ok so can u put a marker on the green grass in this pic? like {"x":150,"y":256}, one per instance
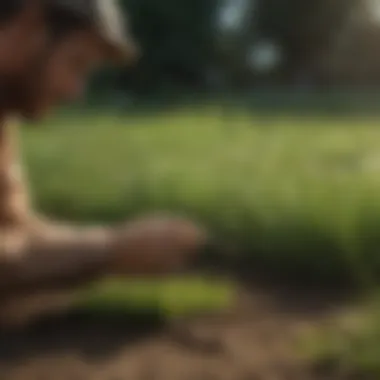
{"x":299,"y":197}
{"x":348,"y":344}
{"x":173,"y":298}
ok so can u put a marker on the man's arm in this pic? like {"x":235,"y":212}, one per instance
{"x":33,"y":250}
{"x":14,"y":196}
{"x":57,"y":255}
{"x":41,"y":253}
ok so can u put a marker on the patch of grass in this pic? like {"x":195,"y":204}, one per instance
{"x":173,"y":297}
{"x":299,"y":197}
{"x":348,"y":345}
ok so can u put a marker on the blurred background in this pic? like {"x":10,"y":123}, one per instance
{"x":260,"y":119}
{"x":246,"y":48}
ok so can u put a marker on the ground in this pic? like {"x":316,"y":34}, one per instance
{"x":257,"y":338}
{"x":296,"y":197}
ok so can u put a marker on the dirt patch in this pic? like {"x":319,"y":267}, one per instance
{"x":253,"y":341}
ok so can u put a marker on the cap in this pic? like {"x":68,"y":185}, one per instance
{"x":112,"y":24}
{"x":109,"y":21}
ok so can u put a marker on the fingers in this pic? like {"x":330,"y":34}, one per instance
{"x":158,"y":245}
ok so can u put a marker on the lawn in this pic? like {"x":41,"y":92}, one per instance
{"x":295,"y":197}
{"x":299,"y":197}
{"x":348,"y":346}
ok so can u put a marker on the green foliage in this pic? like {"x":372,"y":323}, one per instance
{"x":176,"y":42}
{"x":181,"y":46}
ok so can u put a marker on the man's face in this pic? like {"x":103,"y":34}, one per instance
{"x":62,"y":75}
{"x":22,"y":39}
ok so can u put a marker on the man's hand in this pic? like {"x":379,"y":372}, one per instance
{"x":60,"y":259}
{"x":156,"y":245}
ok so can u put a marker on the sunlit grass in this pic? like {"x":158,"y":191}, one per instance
{"x":347,"y":344}
{"x":299,"y":195}
{"x":172,"y":297}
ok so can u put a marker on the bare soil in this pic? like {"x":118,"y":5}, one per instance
{"x":255,"y":340}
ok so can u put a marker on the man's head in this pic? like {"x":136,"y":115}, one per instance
{"x":22,"y":34}
{"x":84,"y":34}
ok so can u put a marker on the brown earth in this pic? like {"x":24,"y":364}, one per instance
{"x":252,"y":341}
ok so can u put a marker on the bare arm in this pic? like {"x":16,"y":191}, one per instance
{"x":14,"y":196}
{"x":56,"y":256}
{"x":36,"y":253}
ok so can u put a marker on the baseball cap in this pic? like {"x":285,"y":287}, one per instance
{"x":109,"y":21}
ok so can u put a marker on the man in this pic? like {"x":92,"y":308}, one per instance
{"x":42,"y":263}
